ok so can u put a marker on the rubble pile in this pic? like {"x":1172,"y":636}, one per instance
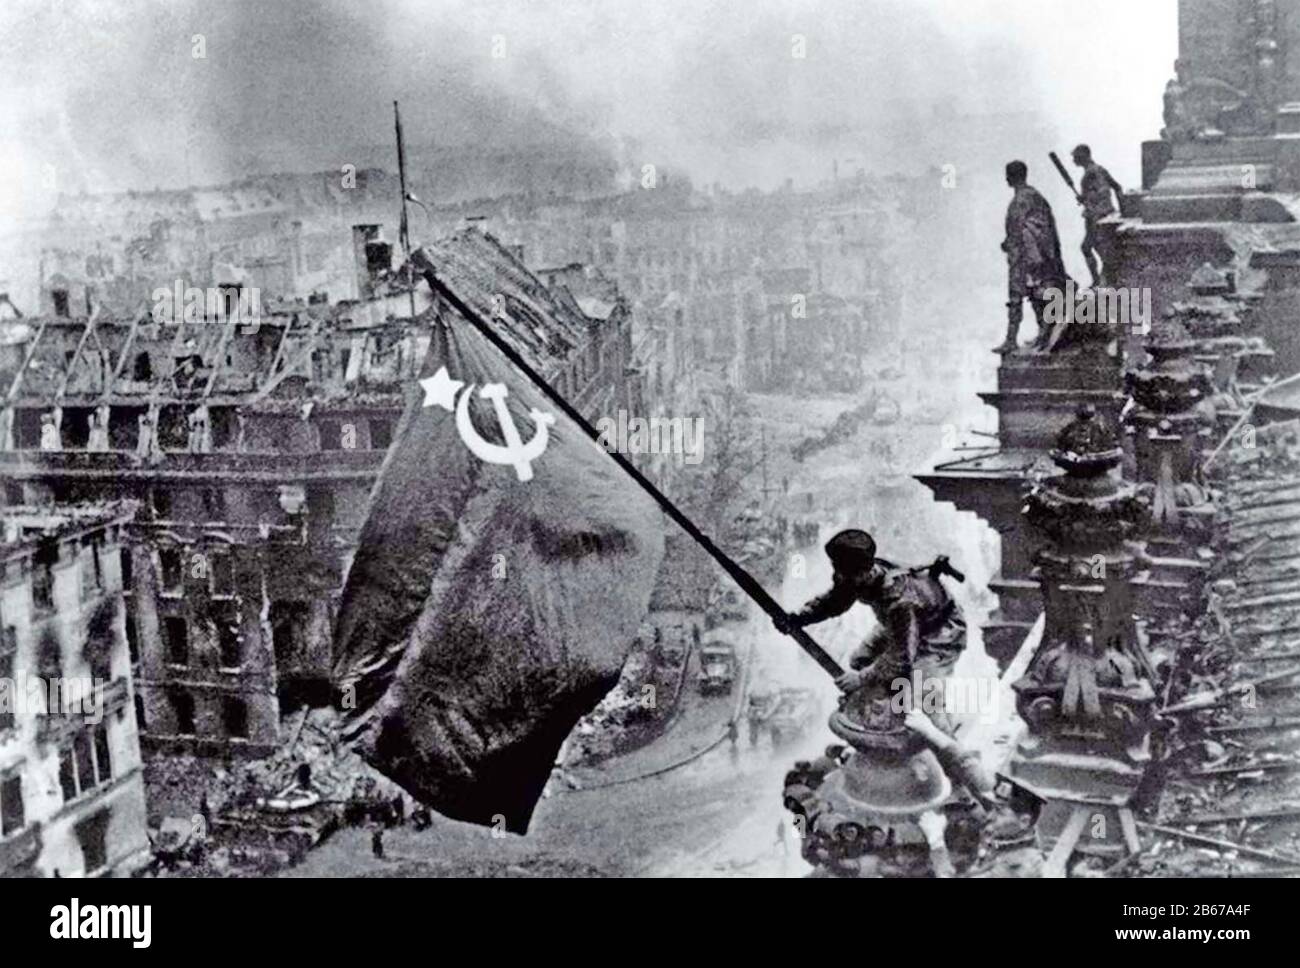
{"x":1230,"y":804}
{"x":259,"y":816}
{"x":641,"y":707}
{"x":335,"y":769}
{"x":548,"y":866}
{"x":616,"y":722}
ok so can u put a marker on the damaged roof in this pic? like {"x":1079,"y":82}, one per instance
{"x":490,"y":279}
{"x":20,"y":525}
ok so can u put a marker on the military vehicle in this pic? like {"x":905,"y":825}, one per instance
{"x":793,"y":711}
{"x":717,"y":668}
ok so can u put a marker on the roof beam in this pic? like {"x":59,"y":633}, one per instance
{"x":76,"y":355}
{"x":221,"y":353}
{"x":290,"y":368}
{"x":121,"y":360}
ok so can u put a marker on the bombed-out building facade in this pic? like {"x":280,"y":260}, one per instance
{"x":72,"y":796}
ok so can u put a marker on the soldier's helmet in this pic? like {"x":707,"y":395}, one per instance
{"x":852,"y":552}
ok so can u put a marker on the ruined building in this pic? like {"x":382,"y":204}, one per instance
{"x":71,"y":787}
{"x":250,"y":442}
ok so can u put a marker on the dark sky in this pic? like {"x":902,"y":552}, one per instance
{"x":106,"y":95}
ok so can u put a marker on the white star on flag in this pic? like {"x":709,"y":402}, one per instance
{"x":441,"y":389}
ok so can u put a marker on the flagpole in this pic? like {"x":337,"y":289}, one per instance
{"x":404,"y":229}
{"x":748,"y":584}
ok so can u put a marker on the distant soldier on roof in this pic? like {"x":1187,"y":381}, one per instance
{"x":1095,"y":191}
{"x":1033,"y":250}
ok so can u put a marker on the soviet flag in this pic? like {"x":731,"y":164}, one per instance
{"x":503,"y":568}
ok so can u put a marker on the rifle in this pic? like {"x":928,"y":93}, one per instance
{"x":942,"y":566}
{"x":1065,"y":175}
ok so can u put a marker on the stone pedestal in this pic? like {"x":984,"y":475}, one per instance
{"x":883,"y":806}
{"x":1036,"y":393}
{"x":1087,"y":697}
{"x":889,"y":781}
{"x":1171,"y":424}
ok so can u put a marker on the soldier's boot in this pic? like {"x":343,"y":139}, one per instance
{"x":1045,"y":326}
{"x":1015,"y":313}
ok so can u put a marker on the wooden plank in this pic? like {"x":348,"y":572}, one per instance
{"x":121,"y":360}
{"x":280,"y":346}
{"x":1268,"y":725}
{"x":221,"y":354}
{"x":1128,"y":825}
{"x":1244,"y":849}
{"x":1211,"y":819}
{"x":76,"y":354}
{"x":156,"y":392}
{"x":289,"y":369}
{"x":1063,"y":849}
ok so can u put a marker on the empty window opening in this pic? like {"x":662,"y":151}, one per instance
{"x":214,"y":504}
{"x":230,"y":644}
{"x":183,"y":710}
{"x":7,"y":685}
{"x":171,"y":570}
{"x":177,"y":636}
{"x":162,"y":503}
{"x":132,"y":640}
{"x":288,"y":625}
{"x":381,"y":433}
{"x":43,"y":576}
{"x":12,"y":814}
{"x":331,"y":434}
{"x":222,"y":575}
{"x":234,"y":714}
{"x":92,"y":835}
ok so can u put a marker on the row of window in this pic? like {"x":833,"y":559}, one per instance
{"x":176,"y":640}
{"x":174,"y":432}
{"x":234,"y":715}
{"x":49,"y":664}
{"x":91,"y":568}
{"x":338,"y":434}
{"x":289,"y":619}
{"x":90,"y":832}
{"x":216,"y":566}
{"x":84,"y":764}
{"x":260,"y":505}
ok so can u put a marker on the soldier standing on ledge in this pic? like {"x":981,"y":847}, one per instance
{"x":919,"y":625}
{"x":1095,"y":192}
{"x":1033,"y":251}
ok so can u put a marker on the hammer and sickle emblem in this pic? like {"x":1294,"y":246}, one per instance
{"x":514,"y":451}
